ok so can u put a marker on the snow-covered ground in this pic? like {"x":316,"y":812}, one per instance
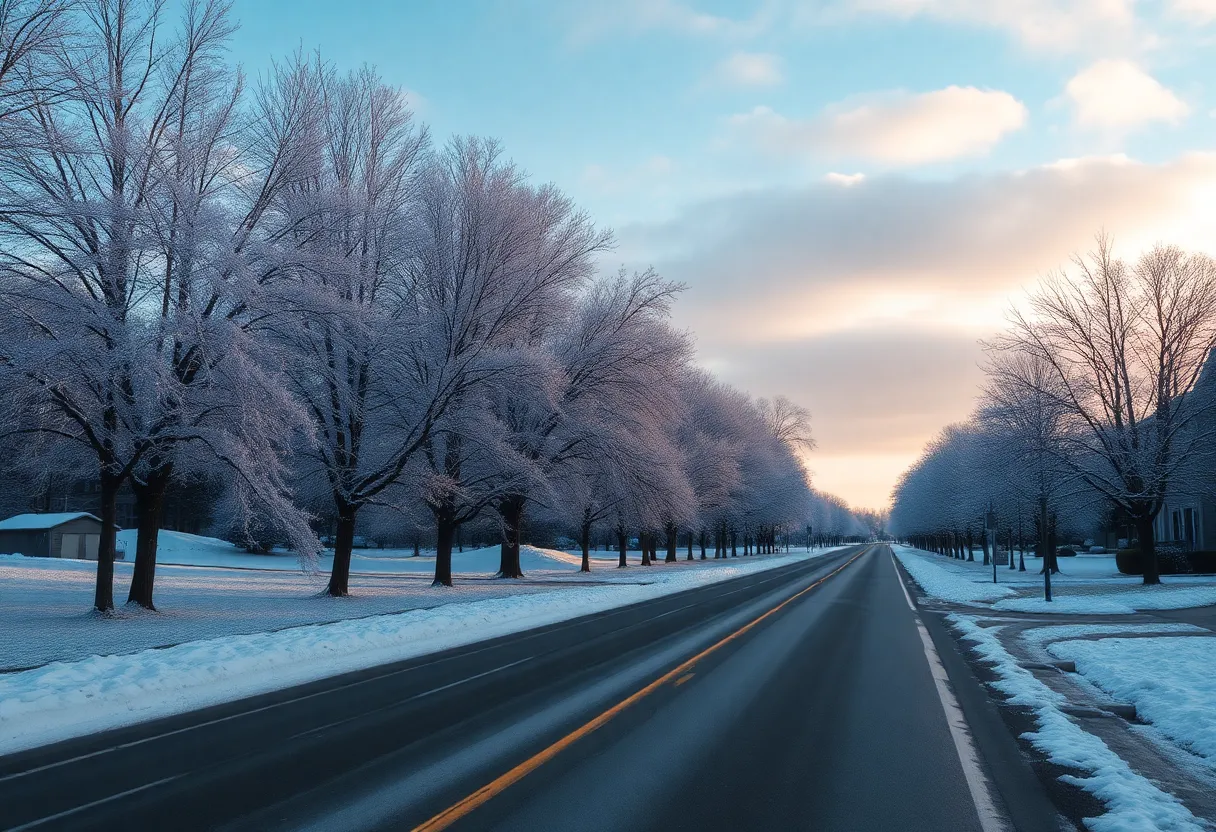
{"x":1088,"y":584}
{"x":235,"y":632}
{"x":1171,"y":680}
{"x":45,"y":602}
{"x":1133,"y":801}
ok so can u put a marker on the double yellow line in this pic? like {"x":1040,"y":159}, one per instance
{"x":500,"y":784}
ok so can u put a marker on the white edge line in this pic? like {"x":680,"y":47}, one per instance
{"x":990,"y":819}
{"x":34,"y":824}
{"x":977,"y":784}
{"x":900,"y":578}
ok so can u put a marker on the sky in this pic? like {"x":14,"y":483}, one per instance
{"x":853,"y":192}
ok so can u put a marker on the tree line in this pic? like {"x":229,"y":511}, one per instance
{"x":287,"y":287}
{"x":1099,"y":405}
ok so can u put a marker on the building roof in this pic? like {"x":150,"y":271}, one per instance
{"x":41,"y":522}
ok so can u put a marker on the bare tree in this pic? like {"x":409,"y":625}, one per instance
{"x":1125,"y":347}
{"x":75,"y":197}
{"x":788,"y":422}
{"x":33,"y":46}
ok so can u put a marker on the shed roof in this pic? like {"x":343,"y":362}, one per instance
{"x":38,"y":522}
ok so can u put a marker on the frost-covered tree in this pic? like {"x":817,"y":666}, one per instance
{"x":1125,"y":345}
{"x":34,"y":37}
{"x":211,"y":286}
{"x":356,"y":354}
{"x":616,"y":363}
{"x":77,"y":228}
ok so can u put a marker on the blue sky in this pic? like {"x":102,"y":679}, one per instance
{"x":853,"y":190}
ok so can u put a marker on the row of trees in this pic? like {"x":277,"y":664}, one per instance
{"x":1100,"y":403}
{"x":289,"y":290}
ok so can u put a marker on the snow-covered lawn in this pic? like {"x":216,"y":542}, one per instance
{"x":193,"y":550}
{"x":1171,"y":681}
{"x":1086,"y":584}
{"x":45,"y":602}
{"x":940,"y":581}
{"x":227,"y":628}
{"x":1133,"y":802}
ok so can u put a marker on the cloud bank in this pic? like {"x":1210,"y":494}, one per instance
{"x":867,"y":302}
{"x":895,"y":128}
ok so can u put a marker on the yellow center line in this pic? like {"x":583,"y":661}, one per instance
{"x":684,"y":679}
{"x":500,"y":784}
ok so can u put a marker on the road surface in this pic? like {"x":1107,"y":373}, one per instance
{"x":803,"y":697}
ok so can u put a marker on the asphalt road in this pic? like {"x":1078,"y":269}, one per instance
{"x":799,"y":698}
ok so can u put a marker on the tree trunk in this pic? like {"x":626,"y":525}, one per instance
{"x":1046,"y":573}
{"x":671,"y":543}
{"x":734,"y":543}
{"x":512,"y":511}
{"x":149,"y":507}
{"x":585,"y":541}
{"x":690,"y":544}
{"x":103,"y":595}
{"x":445,"y":534}
{"x":703,"y":542}
{"x":644,"y":545}
{"x":970,"y":540}
{"x":1148,"y":549}
{"x":344,"y":543}
{"x":622,"y":543}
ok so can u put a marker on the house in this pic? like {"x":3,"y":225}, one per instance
{"x":1187,"y":519}
{"x":1188,"y":522}
{"x":73,"y":535}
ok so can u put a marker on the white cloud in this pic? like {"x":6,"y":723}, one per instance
{"x":1060,"y":25}
{"x":750,"y":69}
{"x":896,"y":129}
{"x":1117,"y":94}
{"x":1198,"y":11}
{"x":844,"y":180}
{"x":825,"y":258}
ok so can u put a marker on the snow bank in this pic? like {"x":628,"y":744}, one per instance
{"x":1134,"y":803}
{"x":67,"y":699}
{"x":945,"y":584}
{"x":1170,"y":680}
